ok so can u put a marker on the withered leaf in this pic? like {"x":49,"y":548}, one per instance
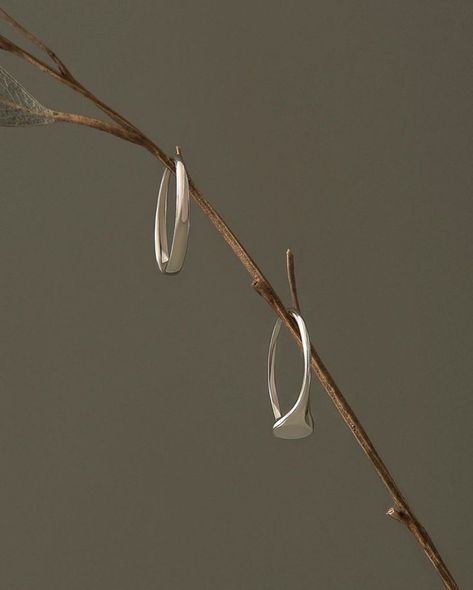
{"x":17,"y":107}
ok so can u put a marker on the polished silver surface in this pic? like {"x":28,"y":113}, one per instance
{"x":298,"y":422}
{"x":171,"y":263}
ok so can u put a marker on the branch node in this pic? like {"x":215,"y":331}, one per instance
{"x":65,"y":73}
{"x":257,"y":285}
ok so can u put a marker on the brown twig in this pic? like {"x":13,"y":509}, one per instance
{"x":62,"y":73}
{"x":126,"y":130}
{"x":113,"y":129}
{"x":20,"y":28}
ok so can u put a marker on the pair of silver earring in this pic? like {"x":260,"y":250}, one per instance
{"x":298,"y":421}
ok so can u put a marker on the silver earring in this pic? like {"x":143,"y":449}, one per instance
{"x":171,"y":263}
{"x":298,"y":422}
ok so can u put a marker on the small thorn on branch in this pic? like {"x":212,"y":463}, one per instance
{"x":263,"y":288}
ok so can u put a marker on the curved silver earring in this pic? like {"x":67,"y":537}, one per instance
{"x":171,"y":263}
{"x":298,"y":422}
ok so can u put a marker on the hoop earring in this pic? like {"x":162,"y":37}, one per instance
{"x":171,"y":263}
{"x":298,"y":422}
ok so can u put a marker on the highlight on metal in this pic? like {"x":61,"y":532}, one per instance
{"x":171,"y":262}
{"x":298,"y":421}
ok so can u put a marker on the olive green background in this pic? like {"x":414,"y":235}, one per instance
{"x":136,"y":443}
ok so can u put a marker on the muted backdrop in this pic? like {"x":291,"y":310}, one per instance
{"x":136,"y":428}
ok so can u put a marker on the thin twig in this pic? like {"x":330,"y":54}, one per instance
{"x":12,"y":47}
{"x":104,"y":126}
{"x":401,"y":510}
{"x":62,"y":73}
{"x":20,"y":28}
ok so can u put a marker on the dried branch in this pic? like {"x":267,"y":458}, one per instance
{"x":21,"y":29}
{"x":125,"y":130}
{"x":111,"y":128}
{"x":62,"y":73}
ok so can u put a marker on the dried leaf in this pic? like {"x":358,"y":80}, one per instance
{"x":17,"y":107}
